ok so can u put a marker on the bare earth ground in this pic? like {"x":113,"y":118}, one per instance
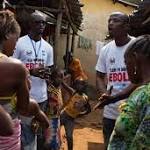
{"x":88,"y":132}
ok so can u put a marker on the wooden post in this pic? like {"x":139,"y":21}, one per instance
{"x":73,"y":42}
{"x":57,"y":32}
{"x":67,"y":47}
{"x":68,"y":39}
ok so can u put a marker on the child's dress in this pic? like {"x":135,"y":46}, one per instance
{"x":52,"y":134}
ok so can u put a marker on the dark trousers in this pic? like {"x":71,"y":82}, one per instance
{"x":108,"y":126}
{"x":68,"y":123}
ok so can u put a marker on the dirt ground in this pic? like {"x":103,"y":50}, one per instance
{"x":88,"y":132}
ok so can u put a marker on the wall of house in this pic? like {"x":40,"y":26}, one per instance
{"x":95,"y":13}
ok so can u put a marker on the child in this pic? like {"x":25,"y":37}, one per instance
{"x":77,"y":105}
{"x":74,"y":67}
{"x":52,"y":134}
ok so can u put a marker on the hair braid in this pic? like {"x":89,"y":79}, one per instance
{"x":8,"y":24}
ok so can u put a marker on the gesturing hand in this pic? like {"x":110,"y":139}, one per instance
{"x":104,"y":99}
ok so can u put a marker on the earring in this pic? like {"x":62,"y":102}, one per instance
{"x":135,"y":70}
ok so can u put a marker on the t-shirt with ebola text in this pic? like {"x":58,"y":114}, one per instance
{"x":33,"y":55}
{"x":111,"y":62}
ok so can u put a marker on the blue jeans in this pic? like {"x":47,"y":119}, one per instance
{"x":68,"y":123}
{"x":28,"y":138}
{"x":108,"y":126}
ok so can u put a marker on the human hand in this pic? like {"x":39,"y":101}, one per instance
{"x":35,"y":125}
{"x":37,"y":71}
{"x":101,"y":102}
{"x":41,"y":72}
{"x":104,"y":99}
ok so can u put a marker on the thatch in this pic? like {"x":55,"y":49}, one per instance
{"x":71,"y":9}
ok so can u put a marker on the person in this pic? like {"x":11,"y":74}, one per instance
{"x":75,"y":67}
{"x":55,"y":105}
{"x":6,"y":126}
{"x":132,"y":127}
{"x":111,"y":66}
{"x":14,"y":91}
{"x":30,"y":121}
{"x":36,"y":54}
{"x":77,"y":105}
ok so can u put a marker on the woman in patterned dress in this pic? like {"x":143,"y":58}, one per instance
{"x":132,"y":128}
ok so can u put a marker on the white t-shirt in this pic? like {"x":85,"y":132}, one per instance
{"x":25,"y":51}
{"x":111,"y":62}
{"x":99,"y":46}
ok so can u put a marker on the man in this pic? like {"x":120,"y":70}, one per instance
{"x":36,"y":54}
{"x":111,"y":65}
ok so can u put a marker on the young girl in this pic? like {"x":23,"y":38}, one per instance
{"x":77,"y":105}
{"x":52,"y":134}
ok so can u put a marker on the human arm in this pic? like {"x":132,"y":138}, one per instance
{"x":38,"y":114}
{"x":22,"y":89}
{"x":101,"y":87}
{"x":42,"y":119}
{"x":101,"y":72}
{"x":101,"y":83}
{"x":44,"y":71}
{"x":68,"y":88}
{"x":6,"y":123}
{"x":87,"y":109}
{"x":106,"y":99}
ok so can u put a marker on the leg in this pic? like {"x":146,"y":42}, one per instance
{"x":108,"y":126}
{"x":40,"y":134}
{"x":68,"y":123}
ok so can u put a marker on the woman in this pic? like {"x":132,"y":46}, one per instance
{"x":132,"y":128}
{"x":14,"y":92}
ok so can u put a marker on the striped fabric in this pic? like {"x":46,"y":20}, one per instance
{"x":12,"y":142}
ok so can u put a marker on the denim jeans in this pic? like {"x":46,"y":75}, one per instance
{"x":108,"y":126}
{"x":68,"y":123}
{"x":28,"y":137}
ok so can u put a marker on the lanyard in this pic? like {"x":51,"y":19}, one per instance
{"x":36,"y":52}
